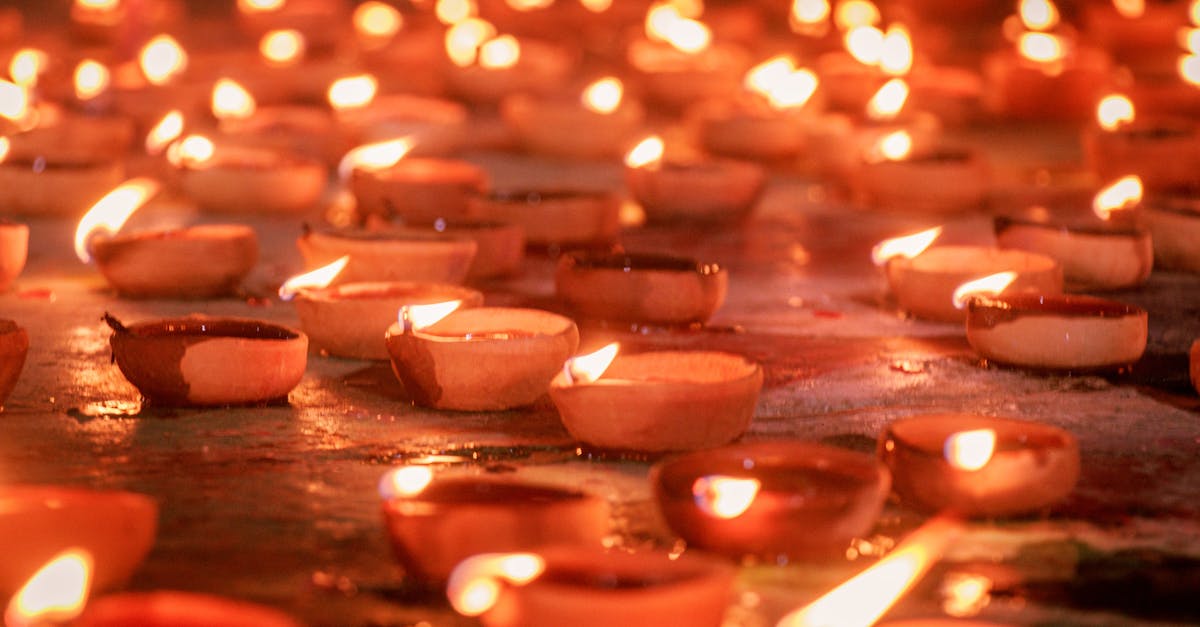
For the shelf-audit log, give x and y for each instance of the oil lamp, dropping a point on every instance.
(554, 217)
(1155, 148)
(696, 189)
(389, 255)
(230, 178)
(1173, 219)
(388, 185)
(640, 288)
(884, 178)
(595, 123)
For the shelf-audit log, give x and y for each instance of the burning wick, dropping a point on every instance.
(413, 317)
(990, 285)
(970, 450)
(320, 277)
(590, 367)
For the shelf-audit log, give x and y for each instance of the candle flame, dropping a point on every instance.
(191, 151)
(1114, 111)
(862, 599)
(989, 285)
(896, 51)
(464, 38)
(161, 59)
(854, 13)
(590, 367)
(1039, 15)
(1041, 47)
(1131, 9)
(321, 277)
(970, 450)
(500, 53)
(887, 103)
(809, 16)
(377, 20)
(110, 213)
(895, 146)
(416, 317)
(260, 6)
(604, 95)
(374, 157)
(168, 129)
(55, 594)
(865, 44)
(91, 79)
(648, 153)
(14, 103)
(282, 47)
(665, 22)
(455, 11)
(725, 497)
(352, 92)
(406, 481)
(475, 583)
(26, 66)
(907, 246)
(231, 101)
(596, 6)
(783, 84)
(1124, 193)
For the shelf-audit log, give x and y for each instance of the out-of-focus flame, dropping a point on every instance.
(970, 450)
(1188, 67)
(282, 47)
(231, 101)
(161, 59)
(1189, 39)
(454, 11)
(887, 103)
(475, 583)
(862, 599)
(14, 103)
(377, 20)
(260, 6)
(463, 40)
(500, 53)
(989, 285)
(783, 84)
(1040, 15)
(1041, 47)
(907, 246)
(352, 92)
(417, 317)
(1114, 111)
(191, 151)
(809, 16)
(666, 23)
(405, 481)
(529, 5)
(603, 95)
(648, 153)
(110, 213)
(1131, 9)
(854, 13)
(725, 497)
(596, 6)
(895, 146)
(91, 79)
(27, 65)
(590, 367)
(321, 277)
(5, 148)
(965, 594)
(55, 594)
(168, 129)
(865, 44)
(374, 157)
(896, 52)
(98, 5)
(1124, 193)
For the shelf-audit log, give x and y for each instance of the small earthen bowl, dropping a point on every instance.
(14, 250)
(555, 217)
(1094, 255)
(641, 288)
(390, 255)
(255, 181)
(419, 189)
(43, 187)
(709, 191)
(195, 262)
(14, 346)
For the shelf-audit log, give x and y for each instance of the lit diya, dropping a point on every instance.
(641, 288)
(157, 82)
(871, 57)
(289, 129)
(657, 401)
(206, 361)
(499, 246)
(587, 587)
(14, 346)
(41, 186)
(975, 465)
(594, 124)
(678, 61)
(14, 249)
(193, 262)
(389, 255)
(388, 185)
(772, 499)
(884, 178)
(435, 523)
(487, 66)
(554, 217)
(434, 126)
(695, 190)
(1173, 220)
(319, 21)
(229, 178)
(1158, 149)
(481, 359)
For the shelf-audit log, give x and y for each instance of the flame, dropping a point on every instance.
(666, 23)
(318, 278)
(965, 594)
(604, 95)
(1041, 47)
(854, 13)
(907, 246)
(808, 15)
(529, 5)
(192, 151)
(887, 103)
(55, 594)
(374, 157)
(1114, 111)
(260, 6)
(168, 129)
(14, 102)
(414, 317)
(896, 51)
(991, 284)
(98, 5)
(1040, 15)
(5, 147)
(1124, 193)
(500, 53)
(865, 44)
(596, 6)
(590, 367)
(1189, 68)
(231, 101)
(405, 481)
(725, 497)
(970, 450)
(282, 47)
(455, 11)
(464, 38)
(862, 599)
(1189, 39)
(783, 84)
(1131, 9)
(161, 59)
(648, 153)
(111, 212)
(377, 20)
(91, 79)
(1194, 13)
(26, 65)
(895, 146)
(352, 92)
(474, 585)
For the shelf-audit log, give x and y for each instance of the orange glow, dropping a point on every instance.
(666, 23)
(168, 129)
(191, 151)
(260, 6)
(374, 157)
(454, 11)
(231, 101)
(1189, 39)
(282, 47)
(648, 153)
(91, 79)
(1040, 15)
(5, 148)
(161, 59)
(965, 594)
(14, 102)
(725, 497)
(529, 5)
(1131, 9)
(862, 599)
(1041, 47)
(854, 13)
(500, 53)
(895, 146)
(464, 38)
(989, 285)
(55, 594)
(1124, 193)
(1114, 111)
(98, 5)
(475, 583)
(1194, 13)
(896, 51)
(596, 6)
(590, 367)
(809, 16)
(416, 317)
(604, 95)
(907, 246)
(887, 103)
(1189, 69)
(970, 450)
(783, 84)
(26, 65)
(405, 481)
(110, 213)
(377, 20)
(321, 277)
(865, 44)
(352, 92)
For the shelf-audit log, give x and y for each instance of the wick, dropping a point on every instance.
(114, 324)
(406, 323)
(569, 371)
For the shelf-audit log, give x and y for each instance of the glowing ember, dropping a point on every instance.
(1041, 47)
(1189, 69)
(590, 367)
(110, 213)
(321, 277)
(375, 157)
(475, 584)
(231, 101)
(783, 84)
(260, 6)
(191, 151)
(500, 53)
(1038, 15)
(91, 79)
(887, 103)
(378, 20)
(1124, 193)
(1131, 9)
(989, 285)
(161, 59)
(895, 146)
(352, 92)
(55, 594)
(725, 497)
(970, 450)
(1114, 111)
(464, 38)
(865, 44)
(415, 317)
(896, 52)
(666, 23)
(907, 246)
(862, 599)
(26, 65)
(406, 481)
(168, 129)
(455, 11)
(604, 95)
(648, 153)
(854, 13)
(282, 47)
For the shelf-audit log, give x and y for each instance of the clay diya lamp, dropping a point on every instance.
(505, 65)
(772, 500)
(168, 608)
(589, 587)
(1158, 149)
(1044, 76)
(1173, 221)
(238, 179)
(40, 186)
(499, 247)
(14, 346)
(1043, 185)
(418, 189)
(106, 22)
(14, 249)
(1133, 30)
(64, 136)
(288, 129)
(482, 359)
(1056, 332)
(657, 401)
(389, 255)
(979, 466)
(699, 190)
(640, 288)
(319, 21)
(158, 81)
(39, 522)
(676, 76)
(435, 523)
(436, 127)
(206, 361)
(554, 217)
(885, 181)
(594, 124)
